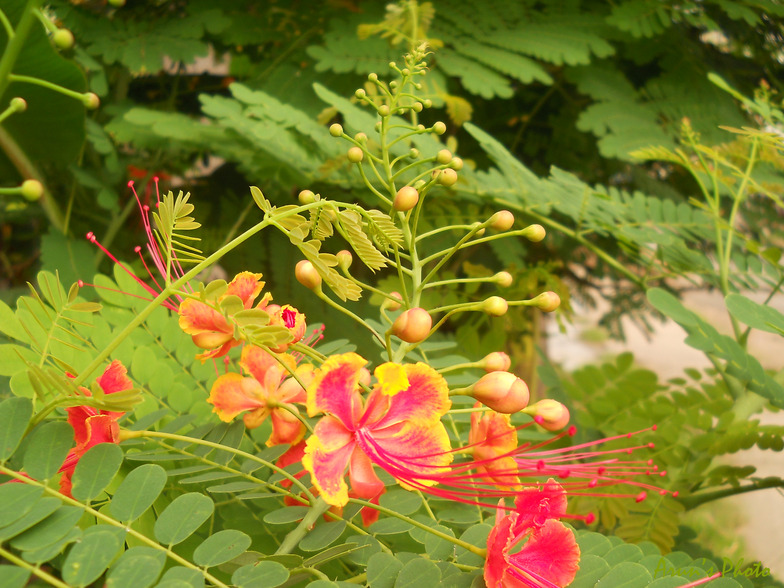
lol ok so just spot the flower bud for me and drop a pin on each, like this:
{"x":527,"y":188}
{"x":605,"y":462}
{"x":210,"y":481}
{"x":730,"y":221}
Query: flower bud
{"x":413,"y":325}
{"x":550,"y":414}
{"x":91,"y":101}
{"x":534,"y":233}
{"x":439,"y":128}
{"x":377,"y":127}
{"x":383,"y":110}
{"x":360,"y":93}
{"x":306,"y":197}
{"x":456,"y":164}
{"x":360,"y":137}
{"x":547,"y":301}
{"x":504,"y":279}
{"x":307,"y":275}
{"x":364,"y":377}
{"x":447,"y":177}
{"x":392,"y":305}
{"x":405,"y":199}
{"x":63,"y":38}
{"x":344,"y":259}
{"x":32,"y":189}
{"x":427,"y":103}
{"x":495,"y":306}
{"x":502,"y":391}
{"x":502,"y":220}
{"x":335,"y":130}
{"x":18,"y":104}
{"x":414,"y":153}
{"x":417,"y":107}
{"x":373,"y":77}
{"x":355,"y":155}
{"x":444,"y":156}
{"x":497,"y":361}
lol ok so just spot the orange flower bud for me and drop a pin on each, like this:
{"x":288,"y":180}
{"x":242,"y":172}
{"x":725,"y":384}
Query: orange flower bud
{"x":497,"y":361}
{"x":550,"y":414}
{"x":502,"y":220}
{"x":413,"y":325}
{"x":495,"y":306}
{"x":344,"y":259}
{"x":502,"y":391}
{"x":307,"y":275}
{"x":405,"y":199}
{"x":547,"y":301}
{"x":389,"y":304}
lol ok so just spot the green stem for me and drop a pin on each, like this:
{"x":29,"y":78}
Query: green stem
{"x":16,"y":42}
{"x":48,"y":85}
{"x":37,"y":572}
{"x":317,"y":508}
{"x":695,"y":500}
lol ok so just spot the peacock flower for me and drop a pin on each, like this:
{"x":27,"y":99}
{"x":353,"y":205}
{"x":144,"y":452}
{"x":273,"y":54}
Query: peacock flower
{"x":398,"y":428}
{"x":209,"y":328}
{"x":289,"y":317}
{"x":267,"y":392}
{"x":493,"y":442}
{"x":549,"y":556}
{"x":92,"y":426}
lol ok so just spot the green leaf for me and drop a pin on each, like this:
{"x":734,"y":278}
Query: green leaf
{"x":46,"y":553}
{"x":48,"y":447}
{"x":592,"y":567}
{"x":322,"y":535}
{"x":382,"y":570}
{"x":15,"y":414}
{"x":401,"y":501}
{"x":89,"y":558}
{"x":138,"y":491}
{"x":418,"y":572}
{"x":626,"y":575}
{"x":285,"y":515}
{"x":13,"y":576}
{"x":221,"y":547}
{"x":53,"y":528}
{"x":13,"y":357}
{"x":182,"y":517}
{"x":39,"y":511}
{"x":757,"y":316}
{"x":264,"y":574}
{"x":670,"y":306}
{"x":9,"y":324}
{"x":139,"y":567}
{"x":95,"y":471}
{"x":16,"y":500}
{"x":181,"y":577}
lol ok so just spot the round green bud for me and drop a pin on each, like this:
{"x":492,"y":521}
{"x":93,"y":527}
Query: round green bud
{"x":392,"y":84}
{"x":91,"y":101}
{"x":427,"y":102}
{"x":306,"y":197}
{"x":360,"y":93}
{"x":503,"y":279}
{"x":335,"y":130}
{"x":373,"y":77}
{"x":456,"y":164}
{"x":345,"y":259}
{"x":307,"y":275}
{"x":547,"y":301}
{"x":447,"y":177}
{"x":414,"y":153}
{"x":444,"y":156}
{"x":360,"y":137}
{"x":439,"y":128}
{"x":63,"y":38}
{"x":420,"y":127}
{"x":405,"y":71}
{"x":495,"y":306}
{"x":535,"y":233}
{"x":18,"y":104}
{"x":32,"y":190}
{"x":392,"y":64}
{"x":405,"y":199}
{"x":502,"y":220}
{"x":377,"y":127}
{"x":417,"y":107}
{"x":383,"y":110}
{"x":355,"y":155}
{"x":417,"y":85}
{"x":419,"y":184}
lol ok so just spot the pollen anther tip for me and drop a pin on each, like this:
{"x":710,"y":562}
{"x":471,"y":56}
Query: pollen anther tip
{"x":130,"y":183}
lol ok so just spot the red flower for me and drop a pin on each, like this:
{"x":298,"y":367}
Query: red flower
{"x":550,"y":556}
{"x":92,"y":426}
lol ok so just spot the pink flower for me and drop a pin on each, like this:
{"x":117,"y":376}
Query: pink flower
{"x":549,"y":556}
{"x":397,"y":428}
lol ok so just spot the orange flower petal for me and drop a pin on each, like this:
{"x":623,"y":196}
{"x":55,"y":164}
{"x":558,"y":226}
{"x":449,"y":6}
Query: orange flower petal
{"x":286,"y":428}
{"x":247,"y":286}
{"x":550,"y":553}
{"x":197,"y":317}
{"x":232,"y":394}
{"x":334,"y":388}
{"x":411,"y":449}
{"x":492,"y":440}
{"x":114,"y":378}
{"x":425,"y":400}
{"x":327,"y":454}
{"x":364,"y":481}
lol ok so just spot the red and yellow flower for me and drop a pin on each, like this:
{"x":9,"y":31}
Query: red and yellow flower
{"x":265,"y":392}
{"x":397,"y":427}
{"x":209,"y":328}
